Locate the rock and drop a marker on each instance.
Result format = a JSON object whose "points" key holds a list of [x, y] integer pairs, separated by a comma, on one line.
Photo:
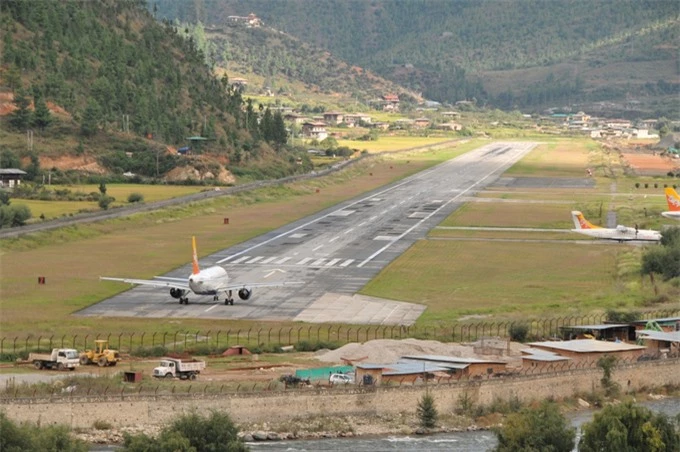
{"points": [[582, 403], [421, 431], [260, 436], [272, 436], [248, 438]]}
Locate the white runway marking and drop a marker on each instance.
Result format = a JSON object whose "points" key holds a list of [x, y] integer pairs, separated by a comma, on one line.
{"points": [[211, 308]]}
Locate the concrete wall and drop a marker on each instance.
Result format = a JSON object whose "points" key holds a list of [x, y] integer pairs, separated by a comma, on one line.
{"points": [[81, 412]]}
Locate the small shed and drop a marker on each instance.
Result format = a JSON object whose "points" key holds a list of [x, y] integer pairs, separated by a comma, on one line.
{"points": [[236, 350], [369, 374], [668, 324], [661, 342], [11, 177], [542, 360], [606, 331]]}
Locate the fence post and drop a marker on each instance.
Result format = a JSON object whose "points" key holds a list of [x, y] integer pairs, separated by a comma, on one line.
{"points": [[130, 348], [142, 340], [217, 340], [120, 335], [164, 334], [39, 339], [238, 334], [2, 343], [174, 342], [269, 336], [51, 342], [258, 336], [153, 340], [26, 342], [74, 341], [298, 335]]}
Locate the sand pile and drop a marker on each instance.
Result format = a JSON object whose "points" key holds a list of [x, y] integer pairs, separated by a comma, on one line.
{"points": [[385, 351]]}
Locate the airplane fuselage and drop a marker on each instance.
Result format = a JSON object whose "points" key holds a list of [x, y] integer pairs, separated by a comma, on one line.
{"points": [[208, 281], [673, 214], [621, 235]]}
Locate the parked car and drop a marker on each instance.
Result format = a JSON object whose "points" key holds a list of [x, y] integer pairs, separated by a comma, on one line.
{"points": [[340, 379]]}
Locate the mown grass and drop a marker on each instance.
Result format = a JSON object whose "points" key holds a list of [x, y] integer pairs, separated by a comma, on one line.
{"points": [[508, 273], [392, 143], [144, 245]]}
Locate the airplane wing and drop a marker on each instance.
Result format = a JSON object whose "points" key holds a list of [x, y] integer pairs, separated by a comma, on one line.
{"points": [[181, 284], [252, 285], [170, 278]]}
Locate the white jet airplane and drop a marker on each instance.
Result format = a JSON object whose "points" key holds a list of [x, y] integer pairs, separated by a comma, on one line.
{"points": [[673, 200], [210, 281], [620, 233]]}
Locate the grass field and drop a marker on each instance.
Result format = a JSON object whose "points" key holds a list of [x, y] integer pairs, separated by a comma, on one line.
{"points": [[392, 143], [151, 193], [144, 245], [453, 277]]}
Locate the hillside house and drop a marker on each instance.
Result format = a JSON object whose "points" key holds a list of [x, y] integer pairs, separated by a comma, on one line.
{"points": [[450, 114], [314, 130], [390, 102], [449, 126], [666, 344], [421, 123], [11, 177], [295, 118], [605, 332], [333, 117], [249, 21], [354, 119]]}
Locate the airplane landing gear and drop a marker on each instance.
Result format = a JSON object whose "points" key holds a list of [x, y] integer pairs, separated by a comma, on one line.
{"points": [[183, 300], [229, 300], [215, 298]]}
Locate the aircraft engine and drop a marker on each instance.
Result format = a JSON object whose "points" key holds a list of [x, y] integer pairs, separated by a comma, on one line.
{"points": [[244, 293], [177, 293]]}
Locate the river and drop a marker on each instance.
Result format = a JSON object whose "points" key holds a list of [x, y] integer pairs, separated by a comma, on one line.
{"points": [[460, 441]]}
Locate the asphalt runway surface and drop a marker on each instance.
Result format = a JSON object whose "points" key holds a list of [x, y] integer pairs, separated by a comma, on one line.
{"points": [[333, 253]]}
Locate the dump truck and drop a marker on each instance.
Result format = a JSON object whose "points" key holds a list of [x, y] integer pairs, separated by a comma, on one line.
{"points": [[177, 368], [101, 355], [60, 359]]}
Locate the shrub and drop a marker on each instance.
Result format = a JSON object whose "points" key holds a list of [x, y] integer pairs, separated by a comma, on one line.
{"points": [[135, 197], [30, 437], [102, 425], [544, 428], [156, 351], [105, 201], [518, 332]]}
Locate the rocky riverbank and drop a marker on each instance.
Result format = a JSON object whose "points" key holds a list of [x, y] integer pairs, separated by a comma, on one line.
{"points": [[305, 428]]}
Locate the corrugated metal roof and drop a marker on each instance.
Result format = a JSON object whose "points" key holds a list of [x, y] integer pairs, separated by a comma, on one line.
{"points": [[453, 359], [595, 327], [659, 335], [457, 366], [370, 366], [411, 368], [545, 357], [12, 171], [587, 345], [664, 320]]}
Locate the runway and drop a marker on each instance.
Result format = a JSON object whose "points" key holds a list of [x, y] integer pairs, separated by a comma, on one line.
{"points": [[333, 253]]}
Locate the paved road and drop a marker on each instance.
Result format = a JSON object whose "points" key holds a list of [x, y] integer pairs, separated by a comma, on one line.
{"points": [[333, 253]]}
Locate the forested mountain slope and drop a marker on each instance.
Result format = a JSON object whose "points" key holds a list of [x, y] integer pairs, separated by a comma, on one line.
{"points": [[452, 50], [122, 82]]}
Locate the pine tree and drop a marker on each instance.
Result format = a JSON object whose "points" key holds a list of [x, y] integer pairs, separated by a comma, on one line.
{"points": [[21, 117], [42, 117], [426, 411], [91, 118]]}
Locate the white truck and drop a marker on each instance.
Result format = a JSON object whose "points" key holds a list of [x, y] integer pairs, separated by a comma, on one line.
{"points": [[182, 369], [60, 359]]}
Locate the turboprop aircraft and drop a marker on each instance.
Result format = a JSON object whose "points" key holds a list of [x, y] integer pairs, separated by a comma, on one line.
{"points": [[620, 233], [673, 200], [210, 281]]}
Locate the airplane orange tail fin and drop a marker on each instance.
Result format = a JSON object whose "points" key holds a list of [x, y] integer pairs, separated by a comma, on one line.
{"points": [[673, 199], [194, 257], [580, 221]]}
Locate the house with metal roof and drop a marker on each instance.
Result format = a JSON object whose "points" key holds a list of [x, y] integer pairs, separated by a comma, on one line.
{"points": [[669, 324], [590, 349], [463, 367], [11, 177]]}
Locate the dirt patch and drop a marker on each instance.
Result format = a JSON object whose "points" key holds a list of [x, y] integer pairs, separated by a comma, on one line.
{"points": [[651, 164], [83, 163]]}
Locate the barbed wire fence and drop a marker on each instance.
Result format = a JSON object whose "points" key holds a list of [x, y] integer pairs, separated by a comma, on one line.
{"points": [[268, 339]]}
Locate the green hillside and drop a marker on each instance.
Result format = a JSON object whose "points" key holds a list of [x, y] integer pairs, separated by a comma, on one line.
{"points": [[122, 87], [527, 54]]}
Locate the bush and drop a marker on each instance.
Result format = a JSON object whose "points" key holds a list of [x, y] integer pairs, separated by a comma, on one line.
{"points": [[518, 332], [146, 352], [105, 201], [30, 437], [544, 428], [135, 197], [191, 432]]}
